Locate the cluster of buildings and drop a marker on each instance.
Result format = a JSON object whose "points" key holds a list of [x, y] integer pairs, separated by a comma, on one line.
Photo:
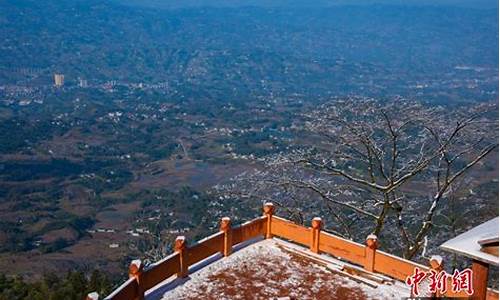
{"points": [[59, 81]]}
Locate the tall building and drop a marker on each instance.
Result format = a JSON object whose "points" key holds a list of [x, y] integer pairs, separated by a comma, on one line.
{"points": [[58, 80], [83, 83]]}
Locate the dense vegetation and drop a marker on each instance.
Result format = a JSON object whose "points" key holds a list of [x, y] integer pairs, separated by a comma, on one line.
{"points": [[74, 285]]}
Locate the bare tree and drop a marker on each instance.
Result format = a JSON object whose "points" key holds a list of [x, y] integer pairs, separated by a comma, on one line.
{"points": [[375, 164], [154, 243]]}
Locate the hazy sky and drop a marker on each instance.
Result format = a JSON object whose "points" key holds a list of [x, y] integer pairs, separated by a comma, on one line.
{"points": [[232, 3]]}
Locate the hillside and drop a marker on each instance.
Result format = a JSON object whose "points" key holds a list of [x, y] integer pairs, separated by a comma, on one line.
{"points": [[160, 107], [243, 51]]}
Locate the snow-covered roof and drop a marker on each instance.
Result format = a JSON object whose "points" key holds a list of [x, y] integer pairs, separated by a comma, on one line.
{"points": [[275, 269], [468, 243]]}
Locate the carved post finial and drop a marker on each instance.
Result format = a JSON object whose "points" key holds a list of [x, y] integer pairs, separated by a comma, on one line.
{"points": [[225, 226], [268, 208], [268, 212], [135, 268], [180, 247], [316, 224], [436, 263], [370, 251], [135, 271], [180, 243], [372, 241]]}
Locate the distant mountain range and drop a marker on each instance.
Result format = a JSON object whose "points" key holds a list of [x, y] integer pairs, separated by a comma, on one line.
{"points": [[481, 4], [375, 50]]}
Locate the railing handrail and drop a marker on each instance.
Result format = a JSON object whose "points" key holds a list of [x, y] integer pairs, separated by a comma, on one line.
{"points": [[318, 241]]}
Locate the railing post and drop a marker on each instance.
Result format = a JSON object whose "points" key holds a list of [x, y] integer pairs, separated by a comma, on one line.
{"points": [[315, 232], [225, 226], [480, 279], [436, 264], [370, 250], [92, 296], [135, 271], [268, 212], [180, 247]]}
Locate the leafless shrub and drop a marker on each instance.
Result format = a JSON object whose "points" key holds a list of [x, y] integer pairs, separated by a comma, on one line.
{"points": [[374, 164]]}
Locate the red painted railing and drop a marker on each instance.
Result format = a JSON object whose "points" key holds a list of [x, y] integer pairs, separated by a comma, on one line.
{"points": [[367, 256]]}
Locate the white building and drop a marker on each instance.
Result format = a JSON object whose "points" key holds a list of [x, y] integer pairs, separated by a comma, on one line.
{"points": [[58, 80]]}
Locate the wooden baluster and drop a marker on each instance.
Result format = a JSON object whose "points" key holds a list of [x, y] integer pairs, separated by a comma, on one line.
{"points": [[225, 226], [436, 263], [135, 271], [268, 212], [370, 250], [315, 233], [92, 296], [479, 279], [180, 247]]}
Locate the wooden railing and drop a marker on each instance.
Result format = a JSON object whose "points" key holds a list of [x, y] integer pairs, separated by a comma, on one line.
{"points": [[367, 256]]}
